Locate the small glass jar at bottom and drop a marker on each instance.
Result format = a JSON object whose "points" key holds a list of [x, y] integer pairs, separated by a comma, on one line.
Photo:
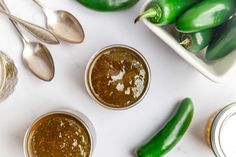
{"points": [[60, 133], [8, 76]]}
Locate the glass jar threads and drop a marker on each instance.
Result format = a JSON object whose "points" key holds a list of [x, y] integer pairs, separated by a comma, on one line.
{"points": [[8, 76]]}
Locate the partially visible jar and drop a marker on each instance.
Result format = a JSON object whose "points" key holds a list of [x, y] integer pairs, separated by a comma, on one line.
{"points": [[221, 131], [8, 76]]}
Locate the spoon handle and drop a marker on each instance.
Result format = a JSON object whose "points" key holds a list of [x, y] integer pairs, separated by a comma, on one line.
{"points": [[42, 6], [39, 32], [4, 6], [39, 4]]}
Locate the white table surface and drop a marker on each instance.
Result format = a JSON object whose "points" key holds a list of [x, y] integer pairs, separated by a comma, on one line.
{"points": [[118, 133]]}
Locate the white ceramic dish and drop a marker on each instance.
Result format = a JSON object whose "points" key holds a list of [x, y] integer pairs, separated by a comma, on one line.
{"points": [[217, 71]]}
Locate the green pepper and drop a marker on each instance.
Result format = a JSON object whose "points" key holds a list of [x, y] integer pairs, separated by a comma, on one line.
{"points": [[205, 15], [108, 5], [224, 41], [169, 136], [195, 42], [163, 12]]}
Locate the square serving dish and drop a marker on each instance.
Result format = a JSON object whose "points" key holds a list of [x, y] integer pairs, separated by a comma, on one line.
{"points": [[217, 71]]}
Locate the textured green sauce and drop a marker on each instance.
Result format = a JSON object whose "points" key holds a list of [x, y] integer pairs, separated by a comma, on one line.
{"points": [[59, 135], [118, 77]]}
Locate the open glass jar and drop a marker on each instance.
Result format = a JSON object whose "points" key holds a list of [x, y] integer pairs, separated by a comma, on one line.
{"points": [[8, 76], [220, 131], [117, 77], [60, 133]]}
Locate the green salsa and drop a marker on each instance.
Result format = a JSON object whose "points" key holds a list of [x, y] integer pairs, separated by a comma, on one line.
{"points": [[118, 77], [59, 135]]}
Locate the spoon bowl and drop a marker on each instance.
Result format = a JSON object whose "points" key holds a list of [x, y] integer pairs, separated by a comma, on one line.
{"points": [[65, 26], [39, 60]]}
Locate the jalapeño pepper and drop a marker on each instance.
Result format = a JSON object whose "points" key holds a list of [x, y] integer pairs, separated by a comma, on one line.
{"points": [[169, 136], [224, 41], [205, 15], [195, 42], [108, 5], [164, 12]]}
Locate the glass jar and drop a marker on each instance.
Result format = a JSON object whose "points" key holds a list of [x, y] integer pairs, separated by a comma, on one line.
{"points": [[38, 125], [220, 131], [117, 77], [8, 76]]}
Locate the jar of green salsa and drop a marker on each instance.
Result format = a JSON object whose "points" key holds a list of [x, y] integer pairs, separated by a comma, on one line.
{"points": [[117, 77], [60, 134]]}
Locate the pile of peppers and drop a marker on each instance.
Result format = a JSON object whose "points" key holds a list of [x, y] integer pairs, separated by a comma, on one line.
{"points": [[201, 24]]}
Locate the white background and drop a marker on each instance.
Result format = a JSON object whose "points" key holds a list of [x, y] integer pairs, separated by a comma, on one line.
{"points": [[118, 133]]}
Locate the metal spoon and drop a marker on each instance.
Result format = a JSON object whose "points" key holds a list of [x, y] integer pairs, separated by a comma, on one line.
{"points": [[39, 32], [35, 55], [63, 24]]}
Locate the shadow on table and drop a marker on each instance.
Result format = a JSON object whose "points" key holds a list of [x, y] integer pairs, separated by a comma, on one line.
{"points": [[16, 138], [198, 131]]}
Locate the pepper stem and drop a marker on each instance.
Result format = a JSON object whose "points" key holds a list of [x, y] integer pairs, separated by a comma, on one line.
{"points": [[185, 42], [152, 12]]}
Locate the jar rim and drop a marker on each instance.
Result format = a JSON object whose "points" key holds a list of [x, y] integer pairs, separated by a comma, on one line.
{"points": [[217, 127]]}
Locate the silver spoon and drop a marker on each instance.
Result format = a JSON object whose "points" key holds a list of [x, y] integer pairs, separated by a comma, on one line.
{"points": [[63, 24], [39, 32], [35, 55]]}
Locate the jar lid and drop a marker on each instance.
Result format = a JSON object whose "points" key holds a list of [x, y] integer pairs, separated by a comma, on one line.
{"points": [[223, 132]]}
